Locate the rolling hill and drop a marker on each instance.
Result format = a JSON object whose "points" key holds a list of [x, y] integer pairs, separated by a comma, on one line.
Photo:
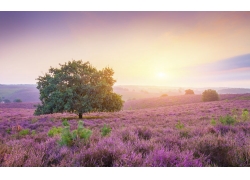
{"points": [[29, 92]]}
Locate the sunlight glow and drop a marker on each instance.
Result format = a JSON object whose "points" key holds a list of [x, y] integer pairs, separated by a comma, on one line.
{"points": [[161, 75]]}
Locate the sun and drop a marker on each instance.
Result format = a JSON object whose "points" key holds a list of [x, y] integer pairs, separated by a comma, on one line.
{"points": [[161, 75]]}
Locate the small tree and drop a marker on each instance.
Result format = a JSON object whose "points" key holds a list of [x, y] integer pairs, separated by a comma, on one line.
{"points": [[164, 95], [189, 91], [79, 88], [210, 95], [17, 100], [6, 101]]}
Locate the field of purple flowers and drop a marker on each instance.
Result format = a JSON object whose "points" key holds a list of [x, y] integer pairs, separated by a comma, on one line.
{"points": [[186, 133]]}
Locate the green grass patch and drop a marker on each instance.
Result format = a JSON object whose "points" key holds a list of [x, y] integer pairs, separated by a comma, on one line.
{"points": [[69, 138], [24, 132], [245, 115], [227, 120], [105, 130], [65, 122], [54, 131], [213, 122], [179, 125]]}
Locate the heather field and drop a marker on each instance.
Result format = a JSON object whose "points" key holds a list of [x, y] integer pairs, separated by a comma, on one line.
{"points": [[169, 131]]}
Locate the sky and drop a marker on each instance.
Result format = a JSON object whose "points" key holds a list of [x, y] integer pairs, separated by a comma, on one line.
{"points": [[171, 48]]}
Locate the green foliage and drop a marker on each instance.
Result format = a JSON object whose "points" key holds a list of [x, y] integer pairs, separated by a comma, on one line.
{"points": [[65, 122], [210, 95], [105, 130], [82, 132], [245, 115], [213, 122], [179, 125], [33, 132], [54, 131], [85, 134], [24, 132], [227, 120], [17, 100], [68, 138], [79, 88], [8, 130], [235, 113], [189, 91]]}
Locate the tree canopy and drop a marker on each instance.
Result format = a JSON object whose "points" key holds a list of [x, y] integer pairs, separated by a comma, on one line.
{"points": [[210, 95], [17, 100], [189, 91], [79, 88]]}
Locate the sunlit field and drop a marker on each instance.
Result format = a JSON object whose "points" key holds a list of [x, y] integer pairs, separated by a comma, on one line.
{"points": [[124, 89], [182, 132]]}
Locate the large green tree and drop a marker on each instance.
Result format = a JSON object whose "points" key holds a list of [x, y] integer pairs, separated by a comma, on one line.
{"points": [[77, 87]]}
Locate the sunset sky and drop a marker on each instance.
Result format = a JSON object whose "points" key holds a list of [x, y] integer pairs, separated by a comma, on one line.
{"points": [[179, 49]]}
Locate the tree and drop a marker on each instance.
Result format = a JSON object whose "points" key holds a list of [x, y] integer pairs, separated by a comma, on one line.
{"points": [[17, 100], [6, 101], [189, 91], [79, 88], [210, 95], [164, 95]]}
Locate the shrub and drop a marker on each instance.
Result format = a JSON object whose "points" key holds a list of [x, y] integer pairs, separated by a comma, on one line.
{"points": [[24, 132], [235, 112], [68, 138], [81, 132], [105, 130], [227, 120], [179, 125], [17, 100], [33, 132], [54, 131], [210, 95], [8, 130], [213, 122], [65, 122], [189, 91], [245, 115], [6, 101], [164, 95]]}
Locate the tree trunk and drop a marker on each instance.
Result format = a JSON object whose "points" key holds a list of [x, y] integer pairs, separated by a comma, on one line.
{"points": [[80, 115]]}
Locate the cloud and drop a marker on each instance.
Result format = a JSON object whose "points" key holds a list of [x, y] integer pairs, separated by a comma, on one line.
{"points": [[238, 62]]}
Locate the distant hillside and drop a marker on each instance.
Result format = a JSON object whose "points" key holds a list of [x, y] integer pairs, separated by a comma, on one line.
{"points": [[27, 93], [176, 100], [234, 91]]}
